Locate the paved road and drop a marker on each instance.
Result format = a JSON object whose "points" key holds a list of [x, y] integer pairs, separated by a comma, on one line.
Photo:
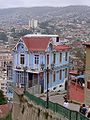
{"points": [[59, 99]]}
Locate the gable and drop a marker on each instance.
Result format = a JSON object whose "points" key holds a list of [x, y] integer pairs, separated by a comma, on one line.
{"points": [[20, 47], [49, 47], [36, 43]]}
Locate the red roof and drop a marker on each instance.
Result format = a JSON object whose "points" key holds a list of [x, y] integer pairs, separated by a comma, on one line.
{"points": [[61, 47], [36, 43], [73, 72]]}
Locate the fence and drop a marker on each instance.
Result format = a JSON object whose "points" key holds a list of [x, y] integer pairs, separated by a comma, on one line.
{"points": [[8, 117], [67, 113]]}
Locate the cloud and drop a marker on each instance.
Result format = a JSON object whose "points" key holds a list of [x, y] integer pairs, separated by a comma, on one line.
{"points": [[29, 3]]}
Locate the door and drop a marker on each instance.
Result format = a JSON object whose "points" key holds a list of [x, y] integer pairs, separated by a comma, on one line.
{"points": [[30, 76]]}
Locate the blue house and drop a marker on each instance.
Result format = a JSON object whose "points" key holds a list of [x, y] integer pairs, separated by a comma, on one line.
{"points": [[37, 58]]}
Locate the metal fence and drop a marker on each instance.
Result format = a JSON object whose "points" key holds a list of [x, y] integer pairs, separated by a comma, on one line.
{"points": [[67, 113]]}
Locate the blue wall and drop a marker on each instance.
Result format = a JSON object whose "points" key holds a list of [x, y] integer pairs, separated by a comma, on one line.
{"points": [[29, 62]]}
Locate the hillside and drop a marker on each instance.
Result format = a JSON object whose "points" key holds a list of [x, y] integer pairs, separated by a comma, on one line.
{"points": [[22, 15]]}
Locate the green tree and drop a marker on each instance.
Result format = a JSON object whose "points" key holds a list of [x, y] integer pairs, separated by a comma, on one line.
{"points": [[3, 36], [2, 98], [13, 30]]}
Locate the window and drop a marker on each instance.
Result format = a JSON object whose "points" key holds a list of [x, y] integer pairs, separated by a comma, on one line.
{"points": [[2, 88], [60, 75], [20, 77], [57, 39], [54, 58], [88, 84], [36, 59], [65, 72], [4, 63], [2, 83], [22, 58], [47, 59], [54, 76], [66, 55], [22, 46], [60, 57]]}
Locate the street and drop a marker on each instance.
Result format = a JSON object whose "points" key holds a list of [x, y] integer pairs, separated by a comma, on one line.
{"points": [[60, 100]]}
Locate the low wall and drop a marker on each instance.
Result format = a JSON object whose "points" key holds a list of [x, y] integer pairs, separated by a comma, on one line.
{"points": [[76, 92], [24, 109]]}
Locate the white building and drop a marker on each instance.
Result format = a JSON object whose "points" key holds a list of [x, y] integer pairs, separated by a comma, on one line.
{"points": [[3, 86], [33, 23]]}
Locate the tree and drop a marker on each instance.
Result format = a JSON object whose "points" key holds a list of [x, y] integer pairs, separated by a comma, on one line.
{"points": [[2, 98], [13, 30], [3, 36]]}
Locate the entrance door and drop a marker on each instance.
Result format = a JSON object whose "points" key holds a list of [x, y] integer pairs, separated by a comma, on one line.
{"points": [[30, 76]]}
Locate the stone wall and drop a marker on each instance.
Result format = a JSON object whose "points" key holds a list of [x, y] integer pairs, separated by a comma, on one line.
{"points": [[24, 109]]}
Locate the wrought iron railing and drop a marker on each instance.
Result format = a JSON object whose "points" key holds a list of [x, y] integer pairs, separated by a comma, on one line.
{"points": [[67, 113]]}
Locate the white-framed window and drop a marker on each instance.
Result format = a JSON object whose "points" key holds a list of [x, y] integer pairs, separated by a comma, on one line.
{"points": [[54, 58], [60, 75], [66, 72], [57, 39], [22, 58], [60, 57], [47, 59], [20, 77], [36, 59], [66, 56]]}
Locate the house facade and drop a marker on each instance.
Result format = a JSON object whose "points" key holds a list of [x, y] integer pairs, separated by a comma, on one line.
{"points": [[38, 59], [87, 74]]}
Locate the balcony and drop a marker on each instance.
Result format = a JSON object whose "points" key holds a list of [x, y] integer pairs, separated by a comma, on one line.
{"points": [[31, 68]]}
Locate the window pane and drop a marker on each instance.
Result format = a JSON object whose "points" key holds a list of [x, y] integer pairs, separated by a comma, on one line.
{"points": [[60, 57], [47, 59], [22, 57], [66, 56], [66, 73], [54, 58], [54, 76], [57, 39], [36, 59], [60, 74]]}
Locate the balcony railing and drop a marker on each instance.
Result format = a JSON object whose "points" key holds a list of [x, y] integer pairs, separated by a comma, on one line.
{"points": [[40, 67]]}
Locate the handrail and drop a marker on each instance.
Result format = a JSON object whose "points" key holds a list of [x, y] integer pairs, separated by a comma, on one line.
{"points": [[55, 107]]}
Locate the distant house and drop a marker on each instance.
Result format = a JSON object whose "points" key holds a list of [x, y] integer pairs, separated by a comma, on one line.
{"points": [[37, 53]]}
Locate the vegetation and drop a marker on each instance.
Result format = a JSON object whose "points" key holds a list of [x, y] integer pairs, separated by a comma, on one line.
{"points": [[2, 98], [19, 33], [3, 36]]}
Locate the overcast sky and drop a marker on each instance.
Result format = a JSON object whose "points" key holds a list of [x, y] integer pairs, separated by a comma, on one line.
{"points": [[30, 3]]}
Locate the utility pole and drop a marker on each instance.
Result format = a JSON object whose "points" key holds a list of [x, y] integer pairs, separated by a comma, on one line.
{"points": [[24, 68], [47, 97]]}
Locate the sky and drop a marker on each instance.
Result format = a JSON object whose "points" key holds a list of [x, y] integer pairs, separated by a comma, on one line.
{"points": [[31, 3]]}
